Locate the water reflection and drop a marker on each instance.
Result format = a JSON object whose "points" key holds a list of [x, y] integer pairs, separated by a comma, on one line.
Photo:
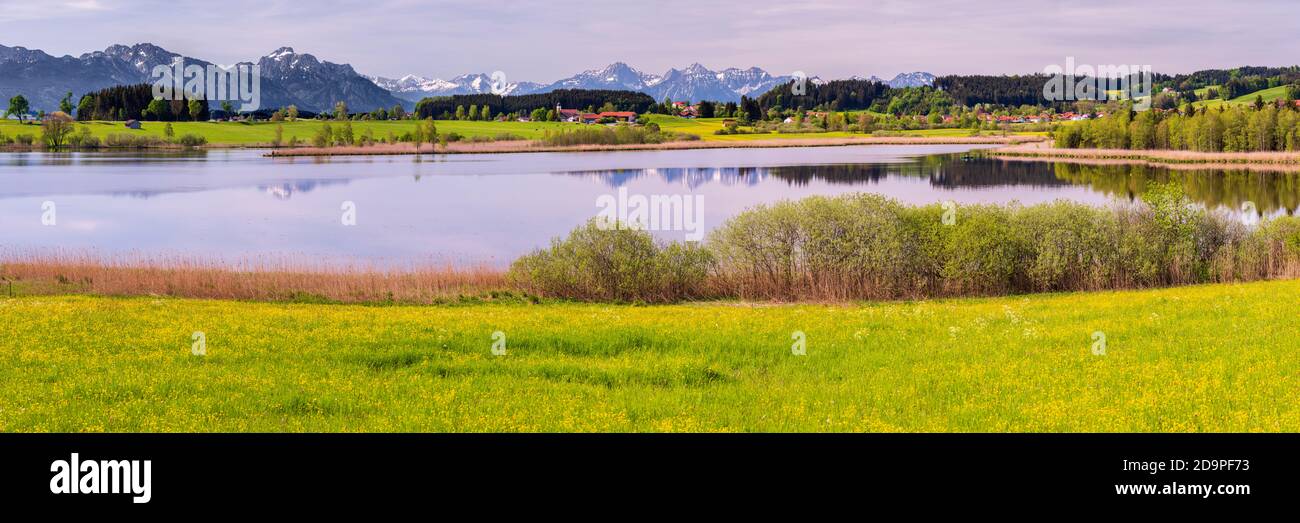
{"points": [[492, 208], [1271, 192]]}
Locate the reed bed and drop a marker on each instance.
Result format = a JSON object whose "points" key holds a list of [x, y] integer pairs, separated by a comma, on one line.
{"points": [[287, 280], [528, 146], [1162, 157]]}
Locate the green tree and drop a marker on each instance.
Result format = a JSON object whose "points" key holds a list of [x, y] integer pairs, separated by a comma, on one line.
{"points": [[324, 136], [340, 111], [430, 131], [86, 108], [227, 110], [196, 110], [19, 107], [157, 110], [291, 113], [168, 131], [55, 130], [65, 104], [460, 112]]}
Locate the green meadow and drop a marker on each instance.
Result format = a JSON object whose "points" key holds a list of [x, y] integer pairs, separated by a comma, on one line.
{"points": [[1189, 359], [263, 133], [1269, 95]]}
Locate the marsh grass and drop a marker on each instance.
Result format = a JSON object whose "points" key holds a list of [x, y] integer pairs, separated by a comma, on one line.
{"points": [[294, 281]]}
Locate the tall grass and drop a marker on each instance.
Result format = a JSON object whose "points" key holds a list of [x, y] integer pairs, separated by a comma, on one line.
{"points": [[617, 135], [270, 281]]}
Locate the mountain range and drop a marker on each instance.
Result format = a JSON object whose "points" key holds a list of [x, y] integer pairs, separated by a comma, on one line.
{"points": [[288, 78], [694, 82], [314, 85]]}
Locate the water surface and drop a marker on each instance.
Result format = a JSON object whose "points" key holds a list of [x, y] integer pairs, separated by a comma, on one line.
{"points": [[237, 205]]}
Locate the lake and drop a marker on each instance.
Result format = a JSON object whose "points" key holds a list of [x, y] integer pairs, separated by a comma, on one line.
{"points": [[237, 206]]}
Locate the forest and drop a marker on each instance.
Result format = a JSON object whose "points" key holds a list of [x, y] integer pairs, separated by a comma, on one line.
{"points": [[1225, 129], [444, 107], [136, 102]]}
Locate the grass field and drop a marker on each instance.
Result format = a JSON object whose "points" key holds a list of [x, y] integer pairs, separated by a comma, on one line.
{"points": [[1206, 358], [235, 133], [262, 133], [1269, 95]]}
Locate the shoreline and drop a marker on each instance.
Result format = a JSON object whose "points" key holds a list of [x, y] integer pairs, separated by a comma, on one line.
{"points": [[1183, 160], [528, 146]]}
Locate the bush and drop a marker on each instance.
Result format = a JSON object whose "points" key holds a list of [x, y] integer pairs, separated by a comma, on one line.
{"points": [[617, 135], [132, 141], [83, 139], [862, 246], [191, 140], [611, 263]]}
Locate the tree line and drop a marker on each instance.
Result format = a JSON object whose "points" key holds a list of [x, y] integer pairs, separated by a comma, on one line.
{"points": [[136, 102], [837, 95], [444, 107], [1267, 127]]}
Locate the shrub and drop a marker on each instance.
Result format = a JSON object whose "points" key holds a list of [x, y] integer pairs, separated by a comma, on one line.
{"points": [[191, 140], [981, 250], [617, 135], [83, 139], [607, 263], [132, 141], [856, 246]]}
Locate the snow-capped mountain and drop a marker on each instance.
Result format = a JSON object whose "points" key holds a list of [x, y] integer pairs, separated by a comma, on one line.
{"points": [[917, 79], [301, 79], [412, 88], [616, 76], [750, 82], [287, 77], [143, 57], [693, 83]]}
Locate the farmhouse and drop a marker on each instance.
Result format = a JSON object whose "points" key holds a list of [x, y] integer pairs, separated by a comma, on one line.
{"points": [[618, 116], [132, 124], [567, 115]]}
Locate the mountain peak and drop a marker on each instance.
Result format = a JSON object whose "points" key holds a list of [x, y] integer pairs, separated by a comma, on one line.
{"points": [[283, 51]]}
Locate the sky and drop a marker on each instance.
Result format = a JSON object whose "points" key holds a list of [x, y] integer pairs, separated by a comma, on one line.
{"points": [[543, 41]]}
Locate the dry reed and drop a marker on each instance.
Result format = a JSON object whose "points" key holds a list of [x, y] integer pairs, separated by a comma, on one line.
{"points": [[43, 273]]}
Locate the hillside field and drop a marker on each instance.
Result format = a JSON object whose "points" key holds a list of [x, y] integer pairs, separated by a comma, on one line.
{"points": [[1269, 95]]}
